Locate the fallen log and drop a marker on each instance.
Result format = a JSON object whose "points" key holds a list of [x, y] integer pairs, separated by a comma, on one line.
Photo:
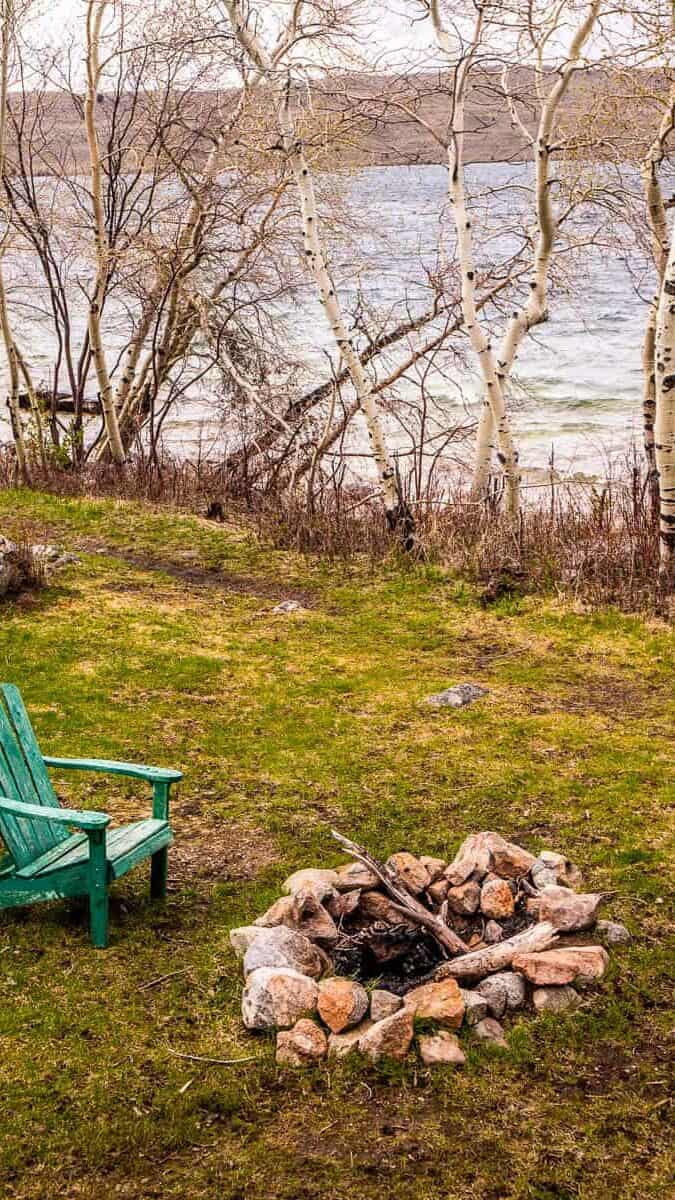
{"points": [[479, 963], [408, 905]]}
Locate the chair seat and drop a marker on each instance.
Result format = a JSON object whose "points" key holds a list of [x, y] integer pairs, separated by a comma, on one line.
{"points": [[125, 846]]}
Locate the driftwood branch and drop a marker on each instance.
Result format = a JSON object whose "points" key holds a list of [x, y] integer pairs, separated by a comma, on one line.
{"points": [[479, 963], [411, 908]]}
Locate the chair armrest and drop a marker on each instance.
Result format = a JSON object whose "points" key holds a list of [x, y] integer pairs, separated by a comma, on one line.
{"points": [[132, 770], [63, 816]]}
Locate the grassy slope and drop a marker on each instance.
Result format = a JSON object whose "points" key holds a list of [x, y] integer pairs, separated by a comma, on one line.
{"points": [[285, 726]]}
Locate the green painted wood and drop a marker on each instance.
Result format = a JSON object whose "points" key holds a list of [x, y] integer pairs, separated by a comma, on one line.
{"points": [[49, 862], [108, 767]]}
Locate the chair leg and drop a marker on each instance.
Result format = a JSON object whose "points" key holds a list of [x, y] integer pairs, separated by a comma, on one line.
{"points": [[158, 872], [98, 890]]}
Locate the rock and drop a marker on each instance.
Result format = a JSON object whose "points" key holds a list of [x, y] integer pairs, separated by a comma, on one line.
{"points": [[612, 933], [283, 947], [496, 899], [492, 933], [342, 1003], [410, 871], [511, 861], [439, 1048], [441, 1001], [475, 1006], [342, 1044], [355, 875], [474, 857], [438, 891], [458, 696], [494, 993], [243, 937], [383, 1004], [312, 919], [276, 997], [390, 1038], [580, 963], [302, 1045], [554, 999], [566, 910], [489, 1030], [321, 883], [532, 906], [503, 990], [279, 913], [343, 904], [288, 606], [434, 866], [551, 868], [380, 908], [465, 898]]}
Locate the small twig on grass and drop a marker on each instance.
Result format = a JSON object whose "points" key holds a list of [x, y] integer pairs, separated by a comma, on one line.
{"points": [[161, 979], [219, 1062]]}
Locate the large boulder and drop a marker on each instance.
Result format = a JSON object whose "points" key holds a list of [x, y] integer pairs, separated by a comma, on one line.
{"points": [[440, 1001], [390, 1038], [302, 1045], [283, 947], [580, 964], [276, 997], [342, 1003]]}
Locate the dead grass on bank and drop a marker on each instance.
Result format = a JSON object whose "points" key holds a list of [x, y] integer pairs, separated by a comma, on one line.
{"points": [[594, 543]]}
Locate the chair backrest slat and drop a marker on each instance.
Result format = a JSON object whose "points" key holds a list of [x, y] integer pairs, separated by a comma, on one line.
{"points": [[23, 776]]}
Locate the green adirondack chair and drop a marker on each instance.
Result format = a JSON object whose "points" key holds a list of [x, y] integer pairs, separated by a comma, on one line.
{"points": [[45, 859]]}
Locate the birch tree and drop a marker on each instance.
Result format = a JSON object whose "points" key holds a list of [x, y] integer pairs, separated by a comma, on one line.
{"points": [[664, 422]]}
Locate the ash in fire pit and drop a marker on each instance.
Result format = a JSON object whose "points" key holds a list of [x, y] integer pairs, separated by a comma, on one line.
{"points": [[460, 942]]}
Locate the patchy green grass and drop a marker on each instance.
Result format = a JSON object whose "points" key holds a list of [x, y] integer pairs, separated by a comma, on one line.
{"points": [[161, 646]]}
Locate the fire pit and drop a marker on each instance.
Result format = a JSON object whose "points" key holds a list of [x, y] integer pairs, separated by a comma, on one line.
{"points": [[347, 958]]}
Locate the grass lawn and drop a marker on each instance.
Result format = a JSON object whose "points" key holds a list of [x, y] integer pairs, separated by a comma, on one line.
{"points": [[161, 646]]}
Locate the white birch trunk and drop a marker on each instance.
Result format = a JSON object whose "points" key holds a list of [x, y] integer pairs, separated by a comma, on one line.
{"points": [[535, 310], [664, 425], [95, 11], [316, 263]]}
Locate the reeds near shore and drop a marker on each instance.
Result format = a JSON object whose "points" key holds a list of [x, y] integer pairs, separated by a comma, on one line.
{"points": [[597, 543]]}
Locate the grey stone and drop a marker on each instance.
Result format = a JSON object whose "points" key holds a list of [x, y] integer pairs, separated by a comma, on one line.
{"points": [[489, 1030], [288, 606], [492, 933], [342, 1044], [321, 883], [275, 998], [475, 1006], [283, 947], [458, 696], [243, 937], [612, 933], [383, 1004], [503, 990], [555, 999], [551, 868]]}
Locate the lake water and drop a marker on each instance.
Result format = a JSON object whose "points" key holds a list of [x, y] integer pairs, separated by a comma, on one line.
{"points": [[579, 378]]}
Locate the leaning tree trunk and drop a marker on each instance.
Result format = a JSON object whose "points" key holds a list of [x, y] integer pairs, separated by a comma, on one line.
{"points": [[664, 424]]}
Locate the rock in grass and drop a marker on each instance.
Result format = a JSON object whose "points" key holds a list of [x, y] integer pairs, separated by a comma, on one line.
{"points": [[568, 911], [551, 868], [475, 1006], [390, 1038], [464, 899], [321, 883], [342, 1044], [458, 696], [288, 606], [510, 861], [342, 1003], [441, 1048], [302, 1045], [554, 999], [441, 1001], [355, 875], [434, 866], [612, 933], [275, 998], [243, 937], [383, 1004], [489, 1030], [283, 947], [581, 964]]}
